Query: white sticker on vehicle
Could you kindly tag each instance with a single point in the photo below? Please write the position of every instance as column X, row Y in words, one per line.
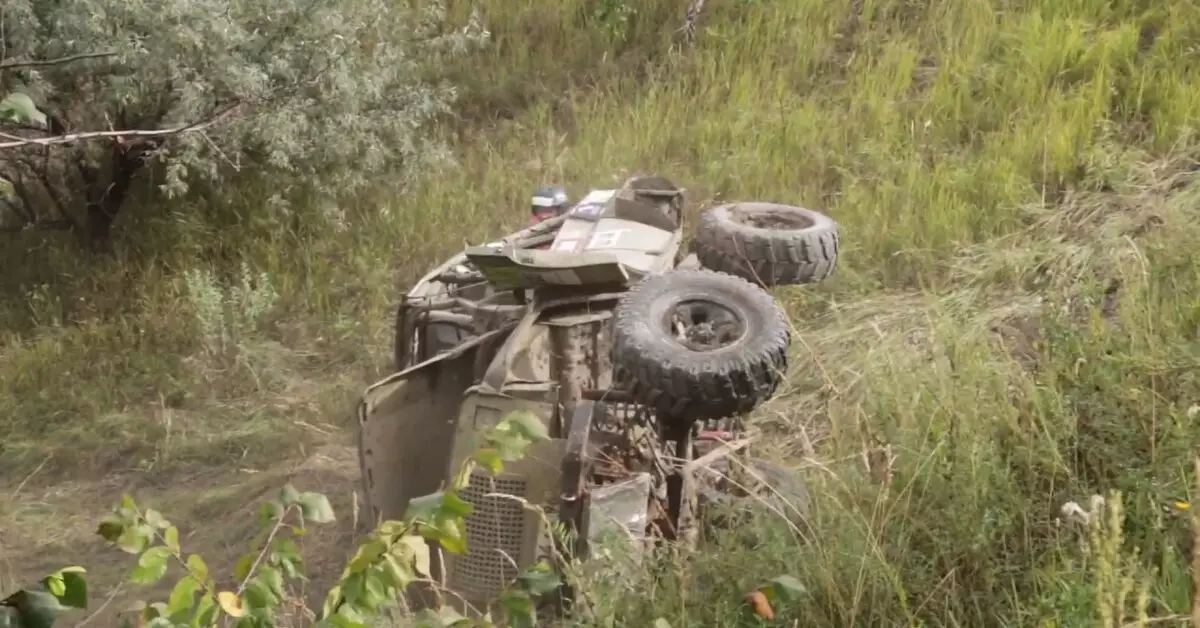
column 575, row 231
column 568, row 246
column 605, row 239
column 587, row 210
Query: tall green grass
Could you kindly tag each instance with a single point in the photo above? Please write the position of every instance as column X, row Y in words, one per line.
column 1015, row 314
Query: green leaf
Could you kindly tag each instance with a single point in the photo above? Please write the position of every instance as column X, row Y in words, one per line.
column 171, row 538
column 159, row 609
column 661, row 623
column 55, row 585
column 152, row 565
column 424, row 508
column 183, row 596
column 76, row 595
column 288, row 555
column 353, row 587
column 366, row 555
column 455, row 506
column 288, row 495
column 341, row 621
column 490, row 459
column 528, row 425
column 375, row 593
column 242, row 569
column 257, row 596
column 272, row 579
column 540, row 579
column 19, row 108
column 417, row 550
column 269, row 512
column 35, row 609
column 351, row 614
column 111, row 529
column 206, row 611
column 448, row 533
column 401, row 571
column 518, row 609
column 389, row 529
column 69, row 586
column 293, row 568
column 197, row 568
column 133, row 540
column 287, row 548
column 332, row 598
column 785, row 588
column 155, row 518
column 315, row 508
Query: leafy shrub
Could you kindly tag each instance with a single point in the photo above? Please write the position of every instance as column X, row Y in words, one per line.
column 269, row 576
column 93, row 91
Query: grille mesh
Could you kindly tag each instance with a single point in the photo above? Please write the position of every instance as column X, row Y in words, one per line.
column 495, row 531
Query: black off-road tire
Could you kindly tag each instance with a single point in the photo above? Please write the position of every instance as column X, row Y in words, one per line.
column 767, row 243
column 684, row 384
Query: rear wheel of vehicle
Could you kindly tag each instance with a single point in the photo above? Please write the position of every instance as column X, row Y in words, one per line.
column 767, row 243
column 697, row 345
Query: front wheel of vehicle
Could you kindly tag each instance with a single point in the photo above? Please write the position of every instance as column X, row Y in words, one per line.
column 696, row 345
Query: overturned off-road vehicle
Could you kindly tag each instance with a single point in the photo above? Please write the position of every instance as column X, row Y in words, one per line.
column 638, row 358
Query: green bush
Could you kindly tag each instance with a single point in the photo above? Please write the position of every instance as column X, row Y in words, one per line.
column 94, row 92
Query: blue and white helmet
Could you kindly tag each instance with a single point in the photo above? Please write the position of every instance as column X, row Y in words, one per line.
column 546, row 196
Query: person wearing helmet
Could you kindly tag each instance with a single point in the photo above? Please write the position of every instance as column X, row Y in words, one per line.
column 548, row 201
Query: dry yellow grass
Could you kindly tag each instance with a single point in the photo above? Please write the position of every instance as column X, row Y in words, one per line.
column 1015, row 315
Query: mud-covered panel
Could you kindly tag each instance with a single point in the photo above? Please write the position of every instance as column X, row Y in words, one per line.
column 406, row 430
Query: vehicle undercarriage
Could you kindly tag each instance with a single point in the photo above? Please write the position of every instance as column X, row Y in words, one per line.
column 641, row 361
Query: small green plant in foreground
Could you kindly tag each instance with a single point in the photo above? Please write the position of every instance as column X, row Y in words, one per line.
column 270, row 577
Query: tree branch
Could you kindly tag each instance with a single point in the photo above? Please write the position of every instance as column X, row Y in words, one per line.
column 691, row 21
column 18, row 141
column 9, row 64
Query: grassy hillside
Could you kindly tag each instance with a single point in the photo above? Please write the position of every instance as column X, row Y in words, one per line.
column 1013, row 326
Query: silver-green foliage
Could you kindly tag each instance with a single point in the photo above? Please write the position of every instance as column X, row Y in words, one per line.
column 332, row 92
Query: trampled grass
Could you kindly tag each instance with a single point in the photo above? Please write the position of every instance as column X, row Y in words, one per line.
column 1015, row 316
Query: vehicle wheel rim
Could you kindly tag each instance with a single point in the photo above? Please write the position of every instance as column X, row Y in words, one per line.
column 773, row 220
column 702, row 325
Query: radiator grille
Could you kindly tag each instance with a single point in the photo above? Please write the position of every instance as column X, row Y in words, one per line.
column 495, row 532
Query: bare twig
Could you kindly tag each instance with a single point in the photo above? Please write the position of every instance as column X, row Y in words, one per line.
column 691, row 21
column 18, row 142
column 9, row 64
column 266, row 547
column 29, row 477
column 111, row 596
